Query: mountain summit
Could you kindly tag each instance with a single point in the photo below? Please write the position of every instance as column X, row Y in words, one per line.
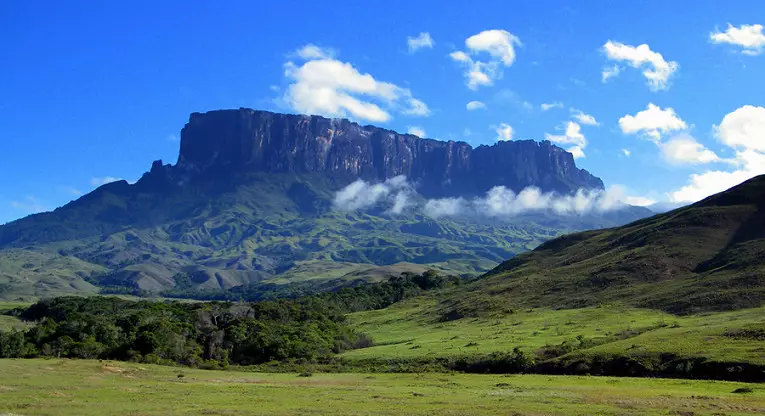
column 250, row 199
column 246, row 140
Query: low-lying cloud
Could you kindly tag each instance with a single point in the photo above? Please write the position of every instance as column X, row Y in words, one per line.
column 503, row 202
column 398, row 195
column 359, row 195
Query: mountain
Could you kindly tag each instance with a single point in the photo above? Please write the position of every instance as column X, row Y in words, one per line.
column 703, row 257
column 250, row 199
column 230, row 141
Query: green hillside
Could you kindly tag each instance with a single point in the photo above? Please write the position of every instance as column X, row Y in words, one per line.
column 257, row 227
column 677, row 294
column 704, row 257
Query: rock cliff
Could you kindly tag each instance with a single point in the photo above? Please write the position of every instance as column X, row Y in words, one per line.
column 230, row 141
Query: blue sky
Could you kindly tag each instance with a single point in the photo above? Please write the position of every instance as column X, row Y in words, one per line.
column 97, row 90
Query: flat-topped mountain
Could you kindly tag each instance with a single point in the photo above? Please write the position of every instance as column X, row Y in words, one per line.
column 250, row 199
column 247, row 140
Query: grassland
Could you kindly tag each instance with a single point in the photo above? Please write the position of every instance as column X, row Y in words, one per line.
column 80, row 387
column 410, row 329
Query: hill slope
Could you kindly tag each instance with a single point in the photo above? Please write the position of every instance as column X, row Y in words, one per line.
column 707, row 256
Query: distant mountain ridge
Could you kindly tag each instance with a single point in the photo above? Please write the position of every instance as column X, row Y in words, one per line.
column 251, row 199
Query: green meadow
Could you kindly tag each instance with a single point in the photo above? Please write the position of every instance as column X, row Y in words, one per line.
column 409, row 329
column 89, row 387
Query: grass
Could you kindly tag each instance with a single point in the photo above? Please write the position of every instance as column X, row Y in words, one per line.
column 410, row 329
column 8, row 323
column 64, row 387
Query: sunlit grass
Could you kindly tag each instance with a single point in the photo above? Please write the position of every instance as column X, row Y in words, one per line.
column 64, row 387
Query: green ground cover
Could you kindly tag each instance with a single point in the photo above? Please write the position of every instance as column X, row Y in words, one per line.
column 88, row 387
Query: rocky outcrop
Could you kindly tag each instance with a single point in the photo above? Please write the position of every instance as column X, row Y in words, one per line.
column 231, row 141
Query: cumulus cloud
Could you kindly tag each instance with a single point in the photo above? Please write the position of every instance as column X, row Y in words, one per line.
column 749, row 37
column 417, row 131
column 502, row 202
column 98, row 181
column 610, row 72
column 504, row 132
column 742, row 130
column 475, row 105
column 583, row 118
column 684, row 149
column 326, row 86
column 423, row 40
column 499, row 45
column 416, row 108
column 655, row 68
column 572, row 136
column 652, row 122
column 361, row 195
column 398, row 195
column 548, row 106
column 311, row 51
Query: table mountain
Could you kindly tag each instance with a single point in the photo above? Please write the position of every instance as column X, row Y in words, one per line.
column 250, row 199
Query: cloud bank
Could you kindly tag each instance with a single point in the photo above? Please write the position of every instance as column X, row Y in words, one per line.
column 397, row 194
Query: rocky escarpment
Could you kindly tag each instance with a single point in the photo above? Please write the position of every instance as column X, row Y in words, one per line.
column 229, row 141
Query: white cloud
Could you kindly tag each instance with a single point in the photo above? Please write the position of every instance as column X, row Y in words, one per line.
column 548, row 106
column 610, row 72
column 323, row 85
column 684, row 149
column 583, row 118
column 656, row 70
column 311, row 51
column 626, row 152
column 742, row 130
column 70, row 190
column 397, row 194
column 423, row 40
column 361, row 195
column 417, row 131
column 416, row 108
column 445, row 207
column 573, row 136
column 576, row 151
column 749, row 37
column 502, row 202
column 652, row 122
column 639, row 201
column 504, row 132
column 498, row 44
column 475, row 105
column 98, row 181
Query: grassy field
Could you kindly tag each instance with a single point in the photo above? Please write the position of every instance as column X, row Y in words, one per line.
column 10, row 322
column 64, row 387
column 410, row 329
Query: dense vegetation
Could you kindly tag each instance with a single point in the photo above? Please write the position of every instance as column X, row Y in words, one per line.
column 210, row 334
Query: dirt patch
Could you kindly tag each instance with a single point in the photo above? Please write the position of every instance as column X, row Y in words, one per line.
column 6, row 388
column 113, row 369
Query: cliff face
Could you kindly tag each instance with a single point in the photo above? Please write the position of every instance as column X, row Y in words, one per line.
column 228, row 141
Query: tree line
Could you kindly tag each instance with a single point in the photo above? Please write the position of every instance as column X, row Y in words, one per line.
column 206, row 334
